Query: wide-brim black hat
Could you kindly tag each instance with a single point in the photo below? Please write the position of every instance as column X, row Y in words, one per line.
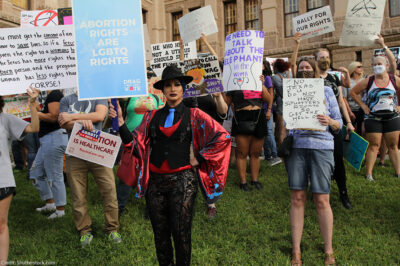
column 169, row 73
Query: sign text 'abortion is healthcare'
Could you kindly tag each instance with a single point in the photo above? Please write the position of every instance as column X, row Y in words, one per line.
column 109, row 49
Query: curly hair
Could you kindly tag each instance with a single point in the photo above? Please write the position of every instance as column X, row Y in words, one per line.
column 281, row 66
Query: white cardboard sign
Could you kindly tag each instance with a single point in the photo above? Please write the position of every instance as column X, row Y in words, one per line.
column 169, row 52
column 94, row 146
column 303, row 100
column 196, row 22
column 362, row 23
column 42, row 57
column 243, row 60
column 314, row 23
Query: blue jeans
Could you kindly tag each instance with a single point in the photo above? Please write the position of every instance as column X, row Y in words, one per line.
column 31, row 142
column 47, row 169
column 123, row 192
column 269, row 143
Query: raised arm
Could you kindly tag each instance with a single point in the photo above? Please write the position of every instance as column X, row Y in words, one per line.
column 392, row 60
column 182, row 51
column 293, row 59
column 34, row 125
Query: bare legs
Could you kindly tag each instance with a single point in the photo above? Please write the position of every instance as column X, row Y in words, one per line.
column 4, row 236
column 325, row 218
column 252, row 147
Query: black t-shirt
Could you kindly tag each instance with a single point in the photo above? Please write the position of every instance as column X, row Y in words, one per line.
column 204, row 103
column 47, row 127
column 333, row 82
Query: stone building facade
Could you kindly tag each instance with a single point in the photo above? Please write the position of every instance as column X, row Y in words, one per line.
column 271, row 16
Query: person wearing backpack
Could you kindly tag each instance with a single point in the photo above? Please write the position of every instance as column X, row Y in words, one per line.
column 381, row 112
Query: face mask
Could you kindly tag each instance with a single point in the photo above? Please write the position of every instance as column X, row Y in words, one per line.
column 324, row 64
column 379, row 69
column 305, row 74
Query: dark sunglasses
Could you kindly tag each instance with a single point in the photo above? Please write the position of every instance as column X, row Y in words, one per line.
column 359, row 66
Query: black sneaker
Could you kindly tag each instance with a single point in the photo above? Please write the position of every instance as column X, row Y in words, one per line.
column 245, row 187
column 256, row 184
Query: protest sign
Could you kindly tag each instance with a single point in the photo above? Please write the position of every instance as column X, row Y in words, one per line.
column 109, row 49
column 64, row 16
column 362, row 23
column 303, row 100
column 395, row 51
column 147, row 42
column 243, row 60
column 41, row 57
column 166, row 53
column 354, row 149
column 206, row 76
column 196, row 22
column 38, row 18
column 314, row 23
column 18, row 106
column 94, row 146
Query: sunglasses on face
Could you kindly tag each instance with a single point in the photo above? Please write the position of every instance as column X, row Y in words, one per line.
column 359, row 66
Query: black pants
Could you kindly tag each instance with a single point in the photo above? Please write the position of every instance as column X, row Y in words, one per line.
column 170, row 201
column 339, row 173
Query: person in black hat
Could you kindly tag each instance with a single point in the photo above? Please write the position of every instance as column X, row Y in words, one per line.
column 168, row 174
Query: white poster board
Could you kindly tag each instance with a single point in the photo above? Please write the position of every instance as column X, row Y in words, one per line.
column 362, row 23
column 39, row 18
column 243, row 60
column 41, row 57
column 314, row 23
column 166, row 53
column 94, row 146
column 303, row 100
column 196, row 22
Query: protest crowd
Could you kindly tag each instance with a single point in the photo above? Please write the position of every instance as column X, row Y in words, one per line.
column 199, row 116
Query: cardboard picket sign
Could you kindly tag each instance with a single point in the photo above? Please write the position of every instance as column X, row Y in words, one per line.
column 94, row 146
column 314, row 23
column 18, row 106
column 362, row 23
column 243, row 60
column 199, row 21
column 354, row 149
column 303, row 100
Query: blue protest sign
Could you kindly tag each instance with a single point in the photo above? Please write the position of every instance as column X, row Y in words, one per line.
column 110, row 50
column 354, row 149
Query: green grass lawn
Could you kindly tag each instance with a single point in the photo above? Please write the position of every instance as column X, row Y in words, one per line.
column 251, row 228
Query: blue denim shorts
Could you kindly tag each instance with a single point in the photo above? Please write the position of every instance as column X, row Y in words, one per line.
column 310, row 166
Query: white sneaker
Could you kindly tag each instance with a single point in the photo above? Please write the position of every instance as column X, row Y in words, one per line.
column 49, row 207
column 369, row 178
column 56, row 214
column 275, row 161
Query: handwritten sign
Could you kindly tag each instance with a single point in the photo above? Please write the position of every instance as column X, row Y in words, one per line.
column 362, row 23
column 303, row 100
column 243, row 60
column 18, row 106
column 314, row 23
column 354, row 150
column 196, row 22
column 93, row 146
column 206, row 76
column 43, row 58
column 166, row 53
column 38, row 18
column 111, row 65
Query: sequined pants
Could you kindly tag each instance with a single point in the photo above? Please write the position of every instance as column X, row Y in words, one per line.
column 170, row 200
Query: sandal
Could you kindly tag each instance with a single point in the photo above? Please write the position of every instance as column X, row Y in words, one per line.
column 330, row 259
column 296, row 259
